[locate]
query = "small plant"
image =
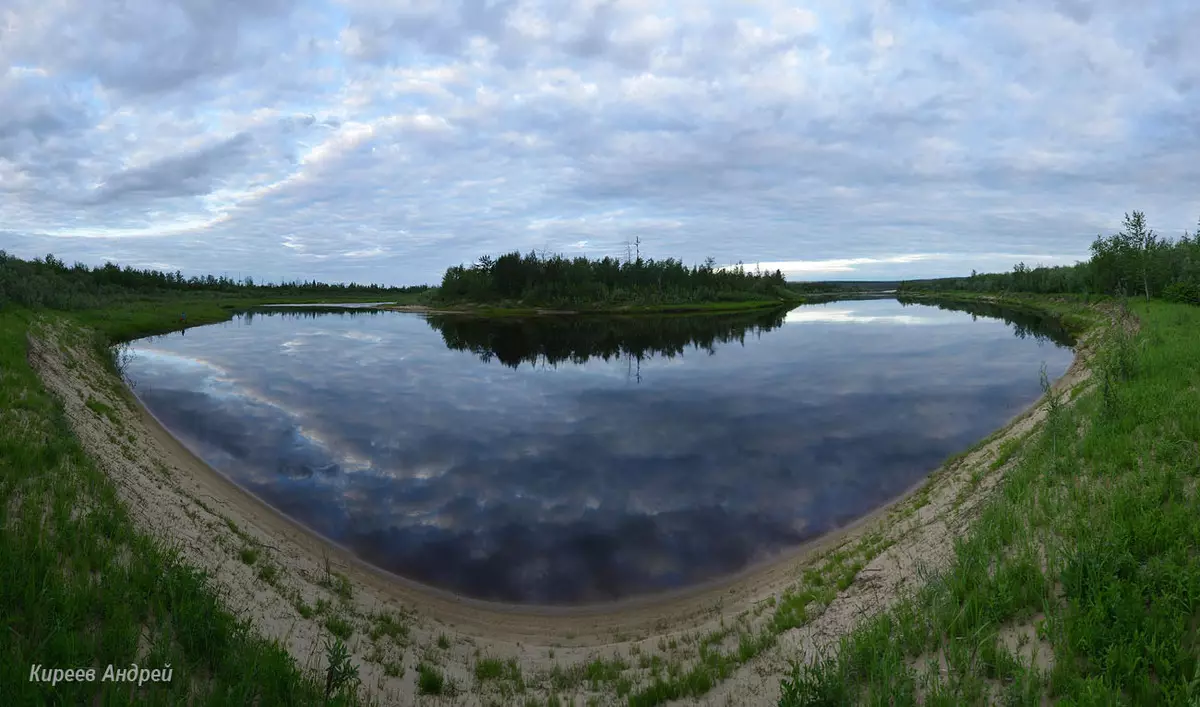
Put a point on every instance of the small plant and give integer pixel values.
(813, 685)
(339, 627)
(103, 409)
(1054, 402)
(443, 641)
(339, 583)
(1054, 413)
(121, 356)
(489, 669)
(430, 680)
(268, 573)
(342, 674)
(386, 623)
(249, 555)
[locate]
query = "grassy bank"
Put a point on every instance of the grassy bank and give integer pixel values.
(1077, 313)
(81, 587)
(1079, 582)
(159, 315)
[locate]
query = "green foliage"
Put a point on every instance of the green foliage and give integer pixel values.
(1185, 292)
(50, 283)
(1134, 262)
(341, 675)
(430, 680)
(339, 627)
(496, 669)
(249, 555)
(561, 281)
(81, 586)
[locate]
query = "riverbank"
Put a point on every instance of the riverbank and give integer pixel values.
(717, 643)
(1078, 582)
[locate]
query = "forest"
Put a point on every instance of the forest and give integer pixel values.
(557, 280)
(1136, 262)
(49, 282)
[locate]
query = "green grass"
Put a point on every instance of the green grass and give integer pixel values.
(340, 627)
(1088, 552)
(430, 680)
(81, 587)
(103, 409)
(390, 624)
(496, 669)
(340, 585)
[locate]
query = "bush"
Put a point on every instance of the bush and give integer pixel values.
(1186, 292)
(430, 680)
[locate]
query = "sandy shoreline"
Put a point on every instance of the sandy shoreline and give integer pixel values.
(175, 495)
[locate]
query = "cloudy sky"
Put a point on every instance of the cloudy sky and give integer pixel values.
(381, 140)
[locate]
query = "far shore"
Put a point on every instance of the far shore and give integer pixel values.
(489, 310)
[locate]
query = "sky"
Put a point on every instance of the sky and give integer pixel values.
(383, 140)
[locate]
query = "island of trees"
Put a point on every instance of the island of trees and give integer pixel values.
(557, 281)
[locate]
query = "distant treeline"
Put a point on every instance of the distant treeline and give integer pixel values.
(557, 280)
(1134, 262)
(49, 282)
(842, 286)
(553, 340)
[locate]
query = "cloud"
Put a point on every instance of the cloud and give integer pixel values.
(364, 139)
(192, 173)
(849, 265)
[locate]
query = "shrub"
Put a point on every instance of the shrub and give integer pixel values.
(1187, 292)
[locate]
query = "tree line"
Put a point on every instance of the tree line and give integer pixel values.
(558, 280)
(50, 282)
(1133, 262)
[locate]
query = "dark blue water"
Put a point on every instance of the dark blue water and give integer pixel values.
(569, 460)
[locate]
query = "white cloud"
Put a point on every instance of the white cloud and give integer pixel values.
(385, 140)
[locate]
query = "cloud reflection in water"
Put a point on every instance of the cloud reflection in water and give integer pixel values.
(569, 480)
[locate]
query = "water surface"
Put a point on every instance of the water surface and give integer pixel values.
(565, 460)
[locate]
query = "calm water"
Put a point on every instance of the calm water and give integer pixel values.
(583, 460)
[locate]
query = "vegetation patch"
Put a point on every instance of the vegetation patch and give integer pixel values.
(90, 589)
(339, 626)
(430, 680)
(103, 409)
